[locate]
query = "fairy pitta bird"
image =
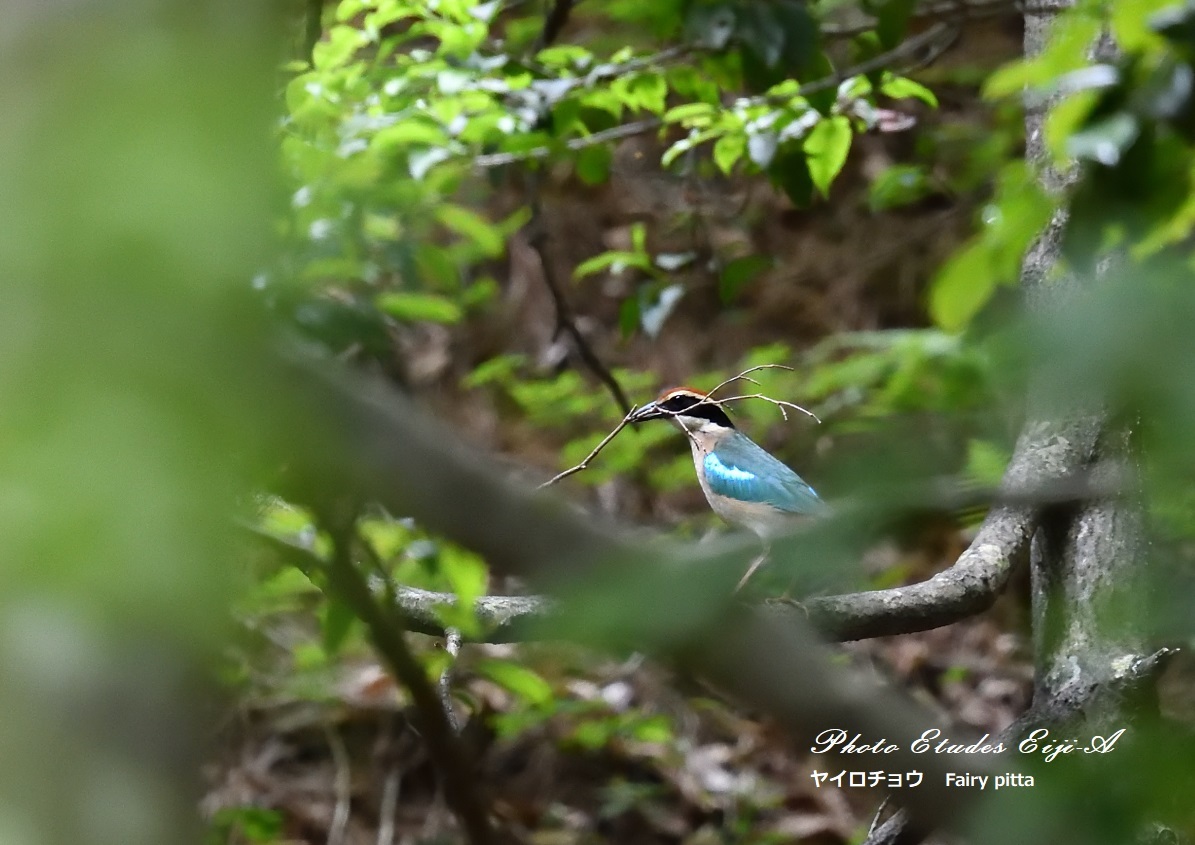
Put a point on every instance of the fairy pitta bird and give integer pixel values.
(744, 484)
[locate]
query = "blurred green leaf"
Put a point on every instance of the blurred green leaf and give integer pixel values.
(593, 165)
(827, 146)
(728, 150)
(962, 287)
(790, 172)
(899, 88)
(336, 622)
(519, 680)
(892, 21)
(739, 273)
(420, 306)
(468, 224)
(898, 185)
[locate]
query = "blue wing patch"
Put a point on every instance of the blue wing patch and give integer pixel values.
(767, 482)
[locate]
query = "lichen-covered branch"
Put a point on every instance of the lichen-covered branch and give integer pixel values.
(1046, 453)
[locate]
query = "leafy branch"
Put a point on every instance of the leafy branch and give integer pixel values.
(908, 48)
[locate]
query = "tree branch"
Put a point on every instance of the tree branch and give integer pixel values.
(537, 237)
(955, 11)
(615, 133)
(501, 617)
(452, 761)
(641, 127)
(1046, 453)
(554, 22)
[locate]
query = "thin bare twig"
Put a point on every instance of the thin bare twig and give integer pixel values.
(343, 786)
(615, 133)
(452, 645)
(537, 236)
(585, 463)
(755, 564)
(875, 820)
(389, 810)
(779, 403)
(743, 376)
(879, 62)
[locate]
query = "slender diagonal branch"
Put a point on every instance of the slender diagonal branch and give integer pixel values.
(593, 454)
(554, 22)
(501, 617)
(537, 237)
(950, 12)
(456, 769)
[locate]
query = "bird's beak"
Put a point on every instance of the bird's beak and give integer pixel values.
(650, 411)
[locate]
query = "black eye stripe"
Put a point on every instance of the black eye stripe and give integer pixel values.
(695, 406)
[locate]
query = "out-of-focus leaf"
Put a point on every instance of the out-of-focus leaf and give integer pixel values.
(901, 184)
(710, 25)
(628, 315)
(962, 287)
(336, 621)
(524, 682)
(433, 308)
(827, 146)
(469, 224)
(779, 40)
(496, 370)
(986, 462)
(1066, 50)
(739, 273)
(728, 150)
(1105, 141)
(761, 147)
(593, 164)
(790, 173)
(900, 87)
(246, 824)
(421, 161)
(892, 21)
(466, 574)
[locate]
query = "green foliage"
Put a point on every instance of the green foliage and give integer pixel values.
(520, 680)
(1012, 220)
(245, 824)
(1126, 126)
(898, 185)
(402, 100)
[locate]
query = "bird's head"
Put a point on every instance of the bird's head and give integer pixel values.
(691, 410)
